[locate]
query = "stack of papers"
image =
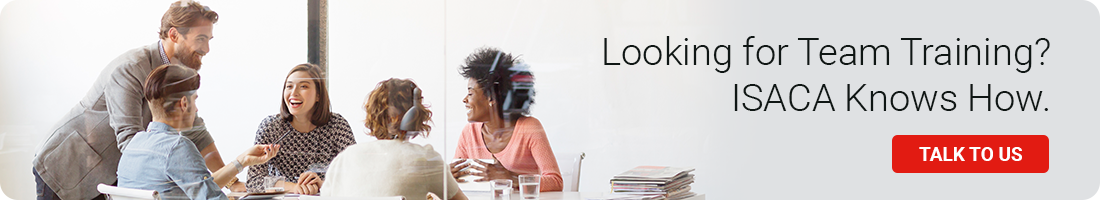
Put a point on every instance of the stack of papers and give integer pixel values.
(628, 197)
(654, 182)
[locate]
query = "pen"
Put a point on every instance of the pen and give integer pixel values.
(281, 137)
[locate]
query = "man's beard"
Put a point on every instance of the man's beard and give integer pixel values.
(192, 59)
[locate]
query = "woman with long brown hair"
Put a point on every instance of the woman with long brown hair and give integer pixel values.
(310, 134)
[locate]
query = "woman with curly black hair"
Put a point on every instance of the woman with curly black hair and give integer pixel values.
(498, 99)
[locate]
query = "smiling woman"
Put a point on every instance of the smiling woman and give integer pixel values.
(306, 128)
(497, 101)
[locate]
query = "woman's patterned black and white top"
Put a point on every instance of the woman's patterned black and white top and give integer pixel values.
(298, 150)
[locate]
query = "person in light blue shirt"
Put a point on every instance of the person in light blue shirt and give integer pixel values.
(160, 159)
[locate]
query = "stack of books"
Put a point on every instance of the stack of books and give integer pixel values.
(654, 182)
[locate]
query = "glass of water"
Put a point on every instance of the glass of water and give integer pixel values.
(317, 168)
(502, 189)
(273, 184)
(529, 186)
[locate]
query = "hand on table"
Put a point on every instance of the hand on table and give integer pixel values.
(309, 183)
(493, 171)
(458, 169)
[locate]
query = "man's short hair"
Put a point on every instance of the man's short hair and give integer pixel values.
(182, 16)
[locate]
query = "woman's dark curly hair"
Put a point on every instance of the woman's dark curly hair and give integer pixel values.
(494, 81)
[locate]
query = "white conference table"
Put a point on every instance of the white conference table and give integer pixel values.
(478, 195)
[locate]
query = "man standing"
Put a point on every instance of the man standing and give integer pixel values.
(84, 148)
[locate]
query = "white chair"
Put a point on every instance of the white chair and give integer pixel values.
(117, 193)
(311, 197)
(569, 165)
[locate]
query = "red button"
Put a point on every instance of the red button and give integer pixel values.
(971, 153)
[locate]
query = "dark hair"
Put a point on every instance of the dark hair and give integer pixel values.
(322, 111)
(494, 81)
(169, 83)
(397, 93)
(182, 17)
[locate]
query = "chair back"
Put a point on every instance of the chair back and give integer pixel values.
(118, 193)
(569, 165)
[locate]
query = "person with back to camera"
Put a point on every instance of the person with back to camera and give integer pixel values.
(161, 159)
(84, 147)
(391, 165)
(307, 130)
(499, 93)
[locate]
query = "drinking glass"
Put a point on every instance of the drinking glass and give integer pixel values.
(273, 184)
(529, 186)
(502, 189)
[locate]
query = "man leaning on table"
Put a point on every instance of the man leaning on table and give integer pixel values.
(84, 148)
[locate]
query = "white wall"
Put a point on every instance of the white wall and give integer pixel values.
(373, 41)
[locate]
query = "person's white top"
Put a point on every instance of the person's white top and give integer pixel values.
(388, 168)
